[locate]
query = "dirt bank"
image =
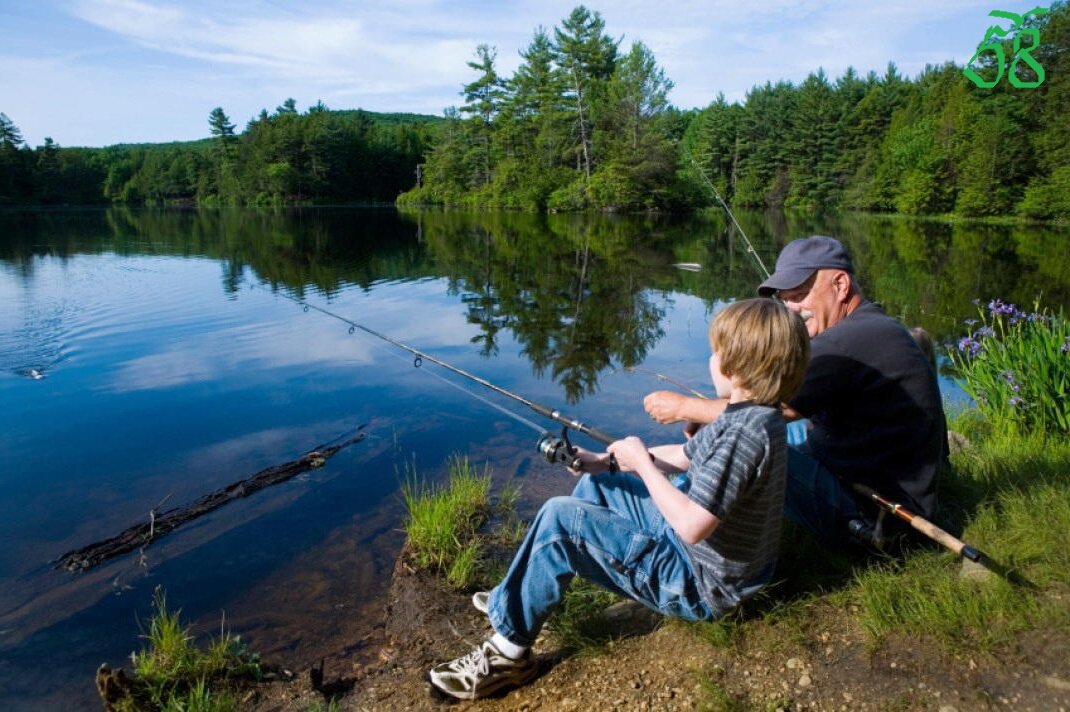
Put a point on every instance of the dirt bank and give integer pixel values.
(825, 663)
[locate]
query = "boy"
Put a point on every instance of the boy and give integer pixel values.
(694, 552)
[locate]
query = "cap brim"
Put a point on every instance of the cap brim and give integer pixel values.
(784, 279)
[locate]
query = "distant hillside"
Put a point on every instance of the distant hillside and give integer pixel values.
(285, 157)
(396, 118)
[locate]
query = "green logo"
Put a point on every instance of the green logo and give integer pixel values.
(993, 42)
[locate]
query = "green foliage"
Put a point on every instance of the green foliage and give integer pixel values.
(932, 145)
(172, 673)
(282, 158)
(1016, 367)
(579, 624)
(443, 522)
(1012, 493)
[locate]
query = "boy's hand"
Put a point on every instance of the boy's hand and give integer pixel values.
(592, 461)
(664, 406)
(630, 452)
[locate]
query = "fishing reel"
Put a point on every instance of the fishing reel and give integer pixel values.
(559, 450)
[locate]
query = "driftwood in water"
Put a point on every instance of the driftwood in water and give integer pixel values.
(160, 523)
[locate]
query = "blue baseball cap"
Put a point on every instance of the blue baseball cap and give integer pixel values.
(801, 258)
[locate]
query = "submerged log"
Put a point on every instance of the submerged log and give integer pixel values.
(161, 523)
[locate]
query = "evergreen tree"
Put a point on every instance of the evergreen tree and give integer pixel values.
(9, 132)
(586, 58)
(484, 98)
(11, 163)
(813, 142)
(535, 109)
(640, 159)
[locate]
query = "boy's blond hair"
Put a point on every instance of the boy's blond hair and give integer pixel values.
(764, 346)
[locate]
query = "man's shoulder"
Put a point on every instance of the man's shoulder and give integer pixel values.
(866, 326)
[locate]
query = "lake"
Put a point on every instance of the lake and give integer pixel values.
(149, 357)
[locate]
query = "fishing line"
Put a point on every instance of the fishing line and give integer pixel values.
(663, 377)
(750, 247)
(496, 406)
(555, 450)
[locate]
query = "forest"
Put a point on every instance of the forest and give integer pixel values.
(285, 157)
(586, 124)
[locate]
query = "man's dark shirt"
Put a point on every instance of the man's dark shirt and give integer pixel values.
(875, 408)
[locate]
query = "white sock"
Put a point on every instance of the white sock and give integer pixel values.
(507, 648)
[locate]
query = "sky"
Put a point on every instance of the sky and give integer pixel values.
(100, 72)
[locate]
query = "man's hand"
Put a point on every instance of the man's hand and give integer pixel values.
(665, 406)
(592, 461)
(631, 453)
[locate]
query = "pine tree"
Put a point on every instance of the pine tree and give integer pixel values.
(484, 98)
(9, 132)
(586, 58)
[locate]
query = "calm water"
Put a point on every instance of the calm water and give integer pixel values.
(150, 357)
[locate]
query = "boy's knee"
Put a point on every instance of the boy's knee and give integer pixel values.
(557, 511)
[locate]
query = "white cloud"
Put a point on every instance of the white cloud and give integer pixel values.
(169, 63)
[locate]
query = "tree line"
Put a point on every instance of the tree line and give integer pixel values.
(282, 157)
(584, 124)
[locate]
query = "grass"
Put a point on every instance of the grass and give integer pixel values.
(173, 674)
(443, 522)
(579, 625)
(1009, 495)
(447, 524)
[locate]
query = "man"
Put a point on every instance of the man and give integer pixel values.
(873, 402)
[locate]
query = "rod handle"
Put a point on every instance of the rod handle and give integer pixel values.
(940, 536)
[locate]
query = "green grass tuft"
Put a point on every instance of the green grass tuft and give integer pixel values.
(579, 624)
(172, 673)
(443, 522)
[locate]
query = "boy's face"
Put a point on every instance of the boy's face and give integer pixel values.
(721, 382)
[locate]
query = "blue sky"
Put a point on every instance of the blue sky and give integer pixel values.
(98, 72)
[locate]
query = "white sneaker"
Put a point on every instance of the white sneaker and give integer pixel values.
(481, 601)
(482, 672)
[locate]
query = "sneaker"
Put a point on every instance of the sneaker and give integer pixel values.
(481, 599)
(482, 672)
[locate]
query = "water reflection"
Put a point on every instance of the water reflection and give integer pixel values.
(570, 287)
(172, 369)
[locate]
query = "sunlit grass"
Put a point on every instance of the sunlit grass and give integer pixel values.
(579, 624)
(1014, 500)
(172, 673)
(443, 522)
(1009, 495)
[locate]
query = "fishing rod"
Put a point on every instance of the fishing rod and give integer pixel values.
(717, 195)
(666, 379)
(921, 524)
(557, 450)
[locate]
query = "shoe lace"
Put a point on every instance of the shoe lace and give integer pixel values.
(476, 662)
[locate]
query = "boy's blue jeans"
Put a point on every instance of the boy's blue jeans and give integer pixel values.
(609, 532)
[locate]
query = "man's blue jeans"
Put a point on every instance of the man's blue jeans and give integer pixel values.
(816, 500)
(609, 532)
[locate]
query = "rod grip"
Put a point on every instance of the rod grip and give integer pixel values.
(937, 534)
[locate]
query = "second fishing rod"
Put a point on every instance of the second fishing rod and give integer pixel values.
(556, 449)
